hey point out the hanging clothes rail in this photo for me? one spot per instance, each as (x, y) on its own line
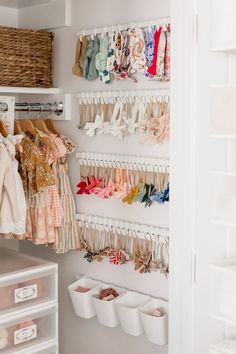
(138, 163)
(56, 107)
(122, 227)
(122, 27)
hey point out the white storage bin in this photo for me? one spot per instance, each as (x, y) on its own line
(223, 290)
(25, 281)
(127, 308)
(20, 332)
(82, 302)
(105, 310)
(155, 328)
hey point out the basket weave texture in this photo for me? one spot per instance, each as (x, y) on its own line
(25, 57)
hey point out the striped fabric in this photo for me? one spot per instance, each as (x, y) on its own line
(67, 236)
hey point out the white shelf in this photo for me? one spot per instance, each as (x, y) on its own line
(225, 49)
(221, 86)
(223, 223)
(223, 318)
(223, 173)
(227, 265)
(223, 136)
(30, 90)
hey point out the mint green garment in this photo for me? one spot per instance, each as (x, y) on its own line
(101, 57)
(89, 69)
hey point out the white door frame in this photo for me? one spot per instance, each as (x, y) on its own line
(182, 205)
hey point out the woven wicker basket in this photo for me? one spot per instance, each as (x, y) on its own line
(25, 57)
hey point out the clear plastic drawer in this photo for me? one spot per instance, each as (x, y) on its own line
(33, 328)
(27, 281)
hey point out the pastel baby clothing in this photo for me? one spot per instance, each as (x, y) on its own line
(53, 156)
(89, 70)
(101, 58)
(107, 73)
(19, 225)
(160, 64)
(9, 210)
(137, 52)
(39, 224)
(68, 235)
(81, 48)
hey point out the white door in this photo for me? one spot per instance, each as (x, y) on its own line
(205, 108)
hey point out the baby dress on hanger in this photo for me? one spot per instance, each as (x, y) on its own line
(19, 226)
(10, 211)
(37, 176)
(67, 235)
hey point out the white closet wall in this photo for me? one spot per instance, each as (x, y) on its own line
(88, 336)
(8, 16)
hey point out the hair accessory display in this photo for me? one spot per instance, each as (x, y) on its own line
(128, 178)
(119, 52)
(125, 113)
(122, 242)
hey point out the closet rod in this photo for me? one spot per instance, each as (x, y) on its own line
(56, 107)
(120, 226)
(135, 163)
(122, 27)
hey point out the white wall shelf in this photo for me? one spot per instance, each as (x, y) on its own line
(30, 90)
(223, 318)
(223, 86)
(226, 49)
(223, 136)
(223, 223)
(228, 265)
(224, 173)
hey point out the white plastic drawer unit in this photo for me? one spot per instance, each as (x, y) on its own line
(20, 333)
(25, 282)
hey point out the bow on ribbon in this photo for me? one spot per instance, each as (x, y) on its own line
(117, 258)
(91, 128)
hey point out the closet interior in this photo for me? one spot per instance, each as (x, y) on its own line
(102, 138)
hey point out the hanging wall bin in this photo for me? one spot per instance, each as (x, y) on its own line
(127, 308)
(105, 310)
(156, 328)
(81, 299)
(25, 57)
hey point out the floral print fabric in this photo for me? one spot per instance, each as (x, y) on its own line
(121, 54)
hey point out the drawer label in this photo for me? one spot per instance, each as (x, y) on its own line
(26, 293)
(25, 334)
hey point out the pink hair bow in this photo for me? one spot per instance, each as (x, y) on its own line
(117, 258)
(108, 191)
